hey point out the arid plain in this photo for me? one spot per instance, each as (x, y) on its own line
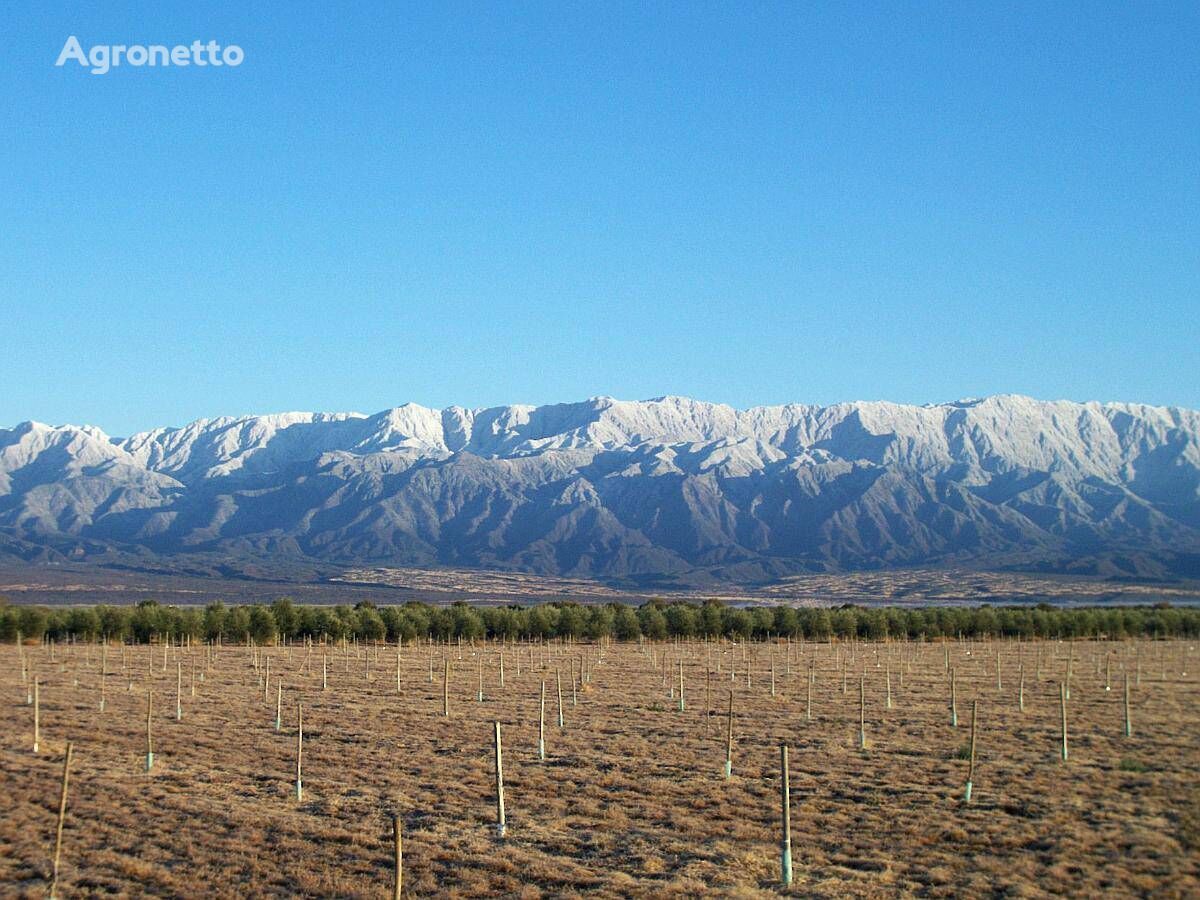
(631, 799)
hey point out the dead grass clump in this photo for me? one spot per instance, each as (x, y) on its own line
(1188, 823)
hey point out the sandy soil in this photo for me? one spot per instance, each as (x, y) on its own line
(631, 800)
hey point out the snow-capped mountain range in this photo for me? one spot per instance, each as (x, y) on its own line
(670, 488)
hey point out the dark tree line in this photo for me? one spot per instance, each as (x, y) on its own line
(655, 620)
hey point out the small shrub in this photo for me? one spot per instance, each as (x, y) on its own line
(1129, 764)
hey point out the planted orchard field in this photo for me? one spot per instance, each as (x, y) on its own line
(631, 797)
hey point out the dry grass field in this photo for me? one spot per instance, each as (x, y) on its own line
(631, 799)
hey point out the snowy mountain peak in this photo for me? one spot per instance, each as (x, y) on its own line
(655, 486)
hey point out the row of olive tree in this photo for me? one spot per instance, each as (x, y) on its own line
(655, 620)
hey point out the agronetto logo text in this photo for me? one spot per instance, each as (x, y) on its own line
(100, 59)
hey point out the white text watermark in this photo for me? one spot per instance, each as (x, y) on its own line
(101, 58)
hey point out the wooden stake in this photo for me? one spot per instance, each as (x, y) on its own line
(558, 675)
(501, 826)
(707, 700)
(785, 797)
(398, 854)
(729, 741)
(953, 700)
(37, 716)
(149, 735)
(862, 713)
(299, 750)
(542, 723)
(62, 815)
(681, 684)
(1062, 699)
(1128, 720)
(971, 765)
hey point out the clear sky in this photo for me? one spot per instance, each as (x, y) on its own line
(480, 204)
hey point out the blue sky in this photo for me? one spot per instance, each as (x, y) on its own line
(473, 204)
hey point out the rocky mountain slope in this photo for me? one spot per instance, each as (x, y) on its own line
(666, 490)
